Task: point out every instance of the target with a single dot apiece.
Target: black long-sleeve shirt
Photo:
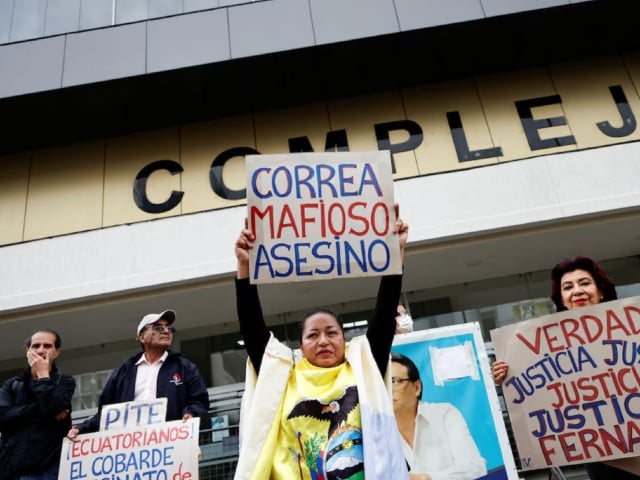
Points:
(380, 331)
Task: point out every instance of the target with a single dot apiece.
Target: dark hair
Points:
(603, 282)
(58, 340)
(412, 371)
(320, 310)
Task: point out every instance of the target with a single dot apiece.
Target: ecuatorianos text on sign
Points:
(134, 443)
(321, 216)
(573, 385)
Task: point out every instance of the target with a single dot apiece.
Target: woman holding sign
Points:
(575, 283)
(312, 419)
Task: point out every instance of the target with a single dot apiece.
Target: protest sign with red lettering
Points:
(167, 451)
(133, 444)
(321, 216)
(573, 384)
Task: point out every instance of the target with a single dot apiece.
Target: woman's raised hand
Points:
(243, 244)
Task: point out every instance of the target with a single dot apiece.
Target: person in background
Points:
(575, 283)
(404, 322)
(330, 413)
(154, 373)
(436, 441)
(35, 412)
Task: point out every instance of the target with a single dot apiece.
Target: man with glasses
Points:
(436, 441)
(154, 373)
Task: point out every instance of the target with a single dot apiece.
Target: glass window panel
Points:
(228, 366)
(6, 9)
(435, 321)
(28, 19)
(131, 10)
(62, 16)
(229, 3)
(194, 5)
(161, 8)
(96, 13)
(88, 389)
(626, 291)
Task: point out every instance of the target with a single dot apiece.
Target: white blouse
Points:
(443, 445)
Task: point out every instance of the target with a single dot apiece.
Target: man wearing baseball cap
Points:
(154, 373)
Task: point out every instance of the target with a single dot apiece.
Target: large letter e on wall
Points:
(140, 187)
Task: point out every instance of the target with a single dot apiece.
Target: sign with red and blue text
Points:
(573, 385)
(134, 443)
(321, 216)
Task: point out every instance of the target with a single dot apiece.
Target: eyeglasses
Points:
(162, 328)
(396, 382)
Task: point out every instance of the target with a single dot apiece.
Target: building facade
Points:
(512, 127)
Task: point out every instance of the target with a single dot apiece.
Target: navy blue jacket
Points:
(179, 380)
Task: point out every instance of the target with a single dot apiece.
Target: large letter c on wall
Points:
(140, 187)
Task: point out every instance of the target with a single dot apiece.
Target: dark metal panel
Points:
(131, 10)
(273, 26)
(339, 20)
(96, 13)
(28, 19)
(505, 7)
(187, 40)
(6, 12)
(161, 8)
(414, 14)
(105, 54)
(194, 5)
(42, 70)
(63, 16)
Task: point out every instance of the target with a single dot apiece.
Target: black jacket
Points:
(31, 438)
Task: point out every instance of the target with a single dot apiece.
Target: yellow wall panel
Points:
(632, 63)
(274, 129)
(125, 157)
(87, 186)
(200, 145)
(428, 106)
(358, 117)
(584, 87)
(62, 180)
(14, 179)
(499, 94)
